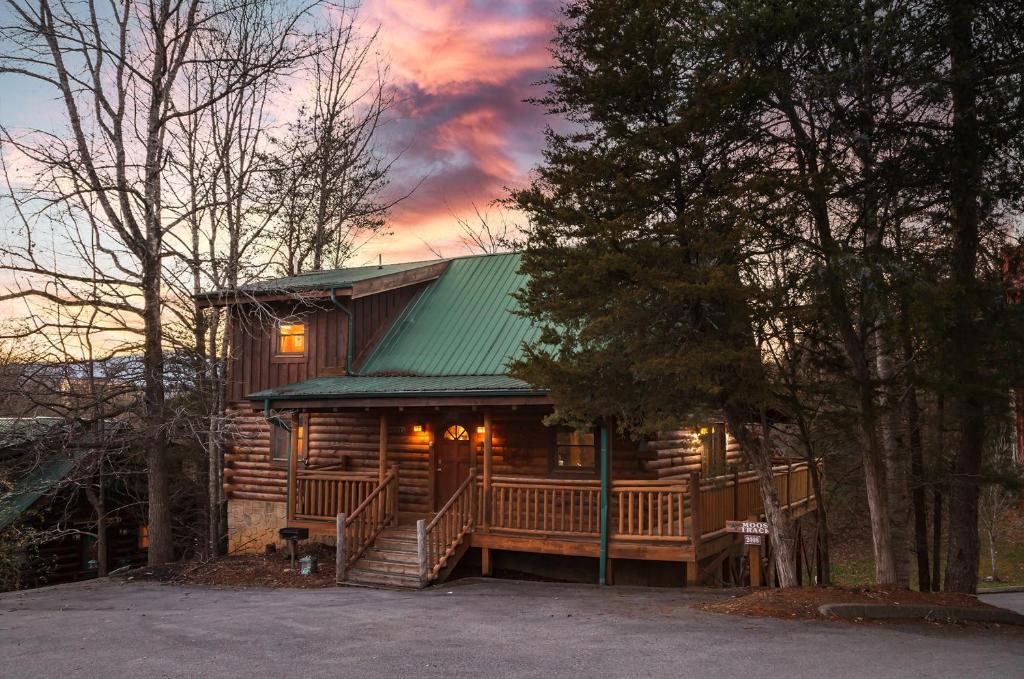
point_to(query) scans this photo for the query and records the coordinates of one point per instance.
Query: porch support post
(485, 511)
(293, 465)
(602, 577)
(383, 453)
(339, 548)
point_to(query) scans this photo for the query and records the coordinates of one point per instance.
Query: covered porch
(440, 481)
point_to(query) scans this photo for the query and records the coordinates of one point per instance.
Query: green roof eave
(399, 386)
(261, 396)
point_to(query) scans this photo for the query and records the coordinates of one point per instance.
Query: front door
(451, 452)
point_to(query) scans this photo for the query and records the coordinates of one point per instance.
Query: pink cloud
(462, 70)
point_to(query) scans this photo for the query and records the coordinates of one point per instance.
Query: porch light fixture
(418, 428)
(480, 429)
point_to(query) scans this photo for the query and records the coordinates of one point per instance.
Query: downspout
(348, 333)
(605, 483)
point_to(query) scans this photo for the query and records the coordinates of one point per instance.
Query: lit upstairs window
(291, 338)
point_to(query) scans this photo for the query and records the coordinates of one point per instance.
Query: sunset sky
(462, 69)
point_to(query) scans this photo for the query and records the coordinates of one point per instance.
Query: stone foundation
(253, 524)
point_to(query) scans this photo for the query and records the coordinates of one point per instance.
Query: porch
(678, 519)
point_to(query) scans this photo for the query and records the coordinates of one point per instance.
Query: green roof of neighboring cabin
(457, 336)
(25, 493)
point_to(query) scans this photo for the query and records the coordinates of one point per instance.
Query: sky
(461, 70)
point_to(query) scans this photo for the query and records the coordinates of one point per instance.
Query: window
(713, 454)
(281, 442)
(291, 338)
(575, 451)
(456, 433)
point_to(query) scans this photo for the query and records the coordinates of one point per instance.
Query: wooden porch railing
(319, 495)
(545, 506)
(357, 531)
(438, 540)
(737, 496)
(654, 511)
(674, 511)
(638, 510)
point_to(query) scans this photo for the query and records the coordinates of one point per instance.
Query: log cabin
(373, 407)
(47, 526)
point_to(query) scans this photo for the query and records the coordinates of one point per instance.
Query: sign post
(754, 533)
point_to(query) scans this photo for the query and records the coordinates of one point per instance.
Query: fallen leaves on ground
(803, 602)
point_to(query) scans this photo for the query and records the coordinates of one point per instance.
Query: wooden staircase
(391, 561)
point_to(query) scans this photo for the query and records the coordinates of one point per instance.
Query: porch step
(379, 553)
(370, 578)
(392, 561)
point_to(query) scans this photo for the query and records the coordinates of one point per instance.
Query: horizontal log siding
(248, 472)
(676, 454)
(521, 448)
(352, 437)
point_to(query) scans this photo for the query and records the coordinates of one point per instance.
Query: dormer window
(291, 339)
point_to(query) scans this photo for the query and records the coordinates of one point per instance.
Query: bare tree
(329, 170)
(95, 241)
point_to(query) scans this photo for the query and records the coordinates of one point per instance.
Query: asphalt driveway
(470, 629)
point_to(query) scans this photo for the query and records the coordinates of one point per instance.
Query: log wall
(677, 454)
(521, 447)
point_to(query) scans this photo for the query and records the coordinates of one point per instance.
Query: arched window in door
(456, 433)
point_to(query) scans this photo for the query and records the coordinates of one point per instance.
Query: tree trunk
(920, 500)
(937, 494)
(877, 495)
(161, 541)
(820, 511)
(896, 472)
(964, 189)
(913, 415)
(783, 542)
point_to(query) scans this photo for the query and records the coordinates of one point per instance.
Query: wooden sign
(748, 527)
(757, 540)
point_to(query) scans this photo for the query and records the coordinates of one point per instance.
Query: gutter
(348, 332)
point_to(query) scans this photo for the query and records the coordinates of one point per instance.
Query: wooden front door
(451, 452)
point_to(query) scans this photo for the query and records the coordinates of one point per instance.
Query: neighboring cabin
(47, 526)
(382, 393)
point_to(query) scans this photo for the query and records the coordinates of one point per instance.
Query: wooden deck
(680, 520)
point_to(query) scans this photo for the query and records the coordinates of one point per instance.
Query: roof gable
(461, 324)
(354, 282)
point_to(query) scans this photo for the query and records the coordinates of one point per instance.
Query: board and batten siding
(254, 365)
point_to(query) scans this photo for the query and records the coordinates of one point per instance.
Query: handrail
(357, 532)
(440, 538)
(317, 495)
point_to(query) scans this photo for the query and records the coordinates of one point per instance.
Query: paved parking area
(470, 629)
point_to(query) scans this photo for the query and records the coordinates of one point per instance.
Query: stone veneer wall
(253, 524)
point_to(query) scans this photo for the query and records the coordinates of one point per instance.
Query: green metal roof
(456, 337)
(461, 324)
(357, 386)
(321, 280)
(27, 491)
(17, 431)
